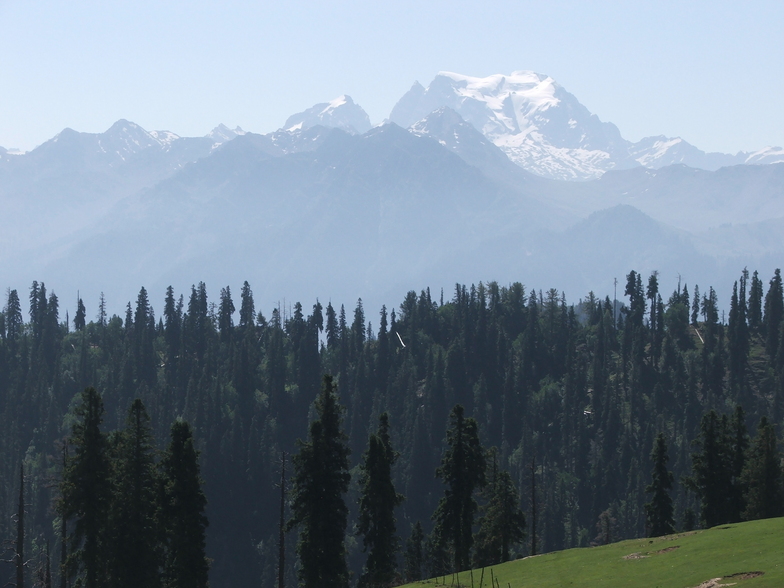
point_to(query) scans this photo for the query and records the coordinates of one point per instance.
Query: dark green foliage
(133, 521)
(762, 475)
(185, 525)
(583, 393)
(414, 558)
(503, 524)
(87, 493)
(377, 502)
(659, 511)
(774, 312)
(462, 469)
(755, 302)
(80, 316)
(321, 478)
(713, 467)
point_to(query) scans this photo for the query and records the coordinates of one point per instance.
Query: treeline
(572, 397)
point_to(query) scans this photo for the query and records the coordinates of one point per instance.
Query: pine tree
(247, 307)
(79, 318)
(695, 308)
(711, 478)
(225, 314)
(755, 302)
(414, 558)
(503, 524)
(462, 469)
(321, 478)
(136, 554)
(186, 565)
(377, 503)
(738, 440)
(86, 490)
(659, 511)
(774, 312)
(762, 475)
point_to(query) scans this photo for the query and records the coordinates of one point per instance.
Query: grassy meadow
(721, 556)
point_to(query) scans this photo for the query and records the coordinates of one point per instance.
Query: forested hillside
(570, 393)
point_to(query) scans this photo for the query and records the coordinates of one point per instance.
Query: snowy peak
(125, 138)
(342, 113)
(544, 129)
(223, 134)
(538, 124)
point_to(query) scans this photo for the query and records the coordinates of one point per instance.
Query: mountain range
(463, 183)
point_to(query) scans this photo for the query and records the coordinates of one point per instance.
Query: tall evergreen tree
(247, 307)
(186, 565)
(755, 302)
(414, 558)
(462, 469)
(79, 318)
(503, 524)
(762, 475)
(659, 511)
(695, 308)
(136, 557)
(321, 478)
(377, 502)
(711, 478)
(87, 492)
(774, 312)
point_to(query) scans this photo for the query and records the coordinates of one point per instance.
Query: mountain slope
(359, 214)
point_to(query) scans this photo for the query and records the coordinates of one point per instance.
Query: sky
(707, 71)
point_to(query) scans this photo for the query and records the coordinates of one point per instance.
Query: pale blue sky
(708, 71)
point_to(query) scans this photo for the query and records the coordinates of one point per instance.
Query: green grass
(689, 560)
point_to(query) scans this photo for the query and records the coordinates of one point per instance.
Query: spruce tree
(186, 565)
(414, 558)
(762, 475)
(321, 478)
(774, 312)
(659, 511)
(79, 318)
(377, 503)
(711, 478)
(136, 556)
(755, 302)
(462, 469)
(503, 524)
(87, 492)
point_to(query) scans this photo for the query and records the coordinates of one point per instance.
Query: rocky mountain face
(544, 129)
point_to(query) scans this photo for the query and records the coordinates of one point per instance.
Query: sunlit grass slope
(730, 553)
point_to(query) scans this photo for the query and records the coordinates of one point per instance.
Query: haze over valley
(501, 178)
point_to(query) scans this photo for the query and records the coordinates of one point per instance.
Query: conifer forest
(207, 441)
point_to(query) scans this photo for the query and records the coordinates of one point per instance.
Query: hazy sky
(708, 71)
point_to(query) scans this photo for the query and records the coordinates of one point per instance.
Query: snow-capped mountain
(537, 123)
(222, 134)
(342, 113)
(546, 130)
